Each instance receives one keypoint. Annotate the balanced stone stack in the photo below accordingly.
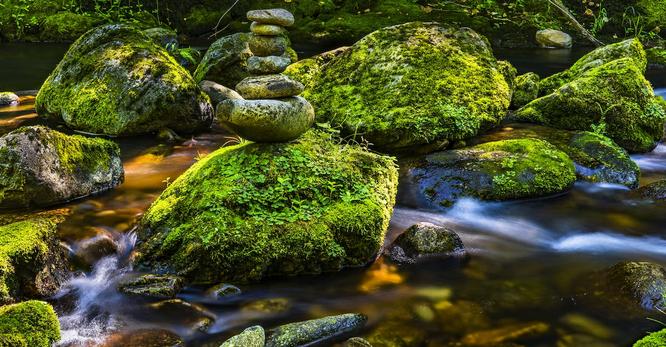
(271, 110)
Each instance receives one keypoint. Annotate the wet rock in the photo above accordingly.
(398, 328)
(550, 38)
(322, 330)
(256, 212)
(654, 191)
(499, 170)
(461, 317)
(94, 249)
(264, 46)
(511, 333)
(116, 81)
(627, 289)
(225, 60)
(272, 306)
(266, 29)
(154, 286)
(267, 65)
(164, 37)
(526, 89)
(224, 290)
(43, 167)
(250, 337)
(218, 92)
(576, 340)
(407, 87)
(426, 239)
(29, 324)
(275, 16)
(8, 98)
(269, 87)
(169, 136)
(267, 120)
(356, 342)
(145, 338)
(587, 326)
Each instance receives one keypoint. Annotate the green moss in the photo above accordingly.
(66, 26)
(655, 12)
(526, 90)
(32, 323)
(256, 210)
(614, 99)
(656, 56)
(409, 85)
(656, 339)
(225, 60)
(114, 80)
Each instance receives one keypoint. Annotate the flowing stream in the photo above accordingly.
(528, 259)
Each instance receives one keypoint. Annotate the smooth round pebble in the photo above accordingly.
(266, 29)
(267, 65)
(276, 16)
(218, 92)
(269, 87)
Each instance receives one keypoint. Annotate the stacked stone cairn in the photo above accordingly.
(271, 110)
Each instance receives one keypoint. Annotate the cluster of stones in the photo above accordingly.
(270, 109)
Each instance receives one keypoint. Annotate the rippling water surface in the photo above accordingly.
(528, 259)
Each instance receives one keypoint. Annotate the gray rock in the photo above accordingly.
(43, 167)
(225, 60)
(218, 92)
(266, 29)
(264, 46)
(320, 331)
(267, 120)
(250, 337)
(275, 16)
(553, 39)
(96, 248)
(155, 286)
(8, 98)
(267, 65)
(224, 290)
(654, 191)
(426, 239)
(269, 87)
(164, 37)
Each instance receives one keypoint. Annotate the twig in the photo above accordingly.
(219, 21)
(563, 9)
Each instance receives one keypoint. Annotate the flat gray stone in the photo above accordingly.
(269, 87)
(267, 120)
(267, 65)
(276, 16)
(264, 46)
(250, 337)
(218, 92)
(267, 29)
(155, 286)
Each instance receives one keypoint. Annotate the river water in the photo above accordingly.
(527, 263)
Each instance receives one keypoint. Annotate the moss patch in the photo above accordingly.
(66, 26)
(526, 89)
(256, 210)
(656, 339)
(30, 323)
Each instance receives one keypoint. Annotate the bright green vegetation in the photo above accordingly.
(499, 170)
(225, 61)
(114, 80)
(656, 339)
(30, 323)
(409, 85)
(66, 26)
(526, 89)
(255, 210)
(613, 99)
(656, 56)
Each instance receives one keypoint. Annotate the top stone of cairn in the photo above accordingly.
(275, 16)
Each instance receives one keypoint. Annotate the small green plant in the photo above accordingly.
(600, 20)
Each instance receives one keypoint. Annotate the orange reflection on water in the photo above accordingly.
(380, 275)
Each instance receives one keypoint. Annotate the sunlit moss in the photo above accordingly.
(30, 323)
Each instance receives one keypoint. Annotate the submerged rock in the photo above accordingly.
(320, 331)
(224, 290)
(356, 342)
(511, 333)
(218, 92)
(155, 286)
(526, 89)
(33, 263)
(28, 324)
(43, 167)
(225, 62)
(143, 338)
(250, 211)
(115, 81)
(250, 337)
(409, 85)
(500, 170)
(654, 191)
(426, 239)
(278, 120)
(613, 98)
(550, 38)
(8, 98)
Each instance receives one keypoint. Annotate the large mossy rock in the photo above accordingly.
(114, 80)
(43, 167)
(500, 170)
(322, 331)
(28, 324)
(255, 210)
(32, 263)
(613, 98)
(409, 85)
(225, 61)
(598, 159)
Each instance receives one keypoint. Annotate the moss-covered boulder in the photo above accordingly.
(66, 26)
(255, 210)
(416, 84)
(656, 339)
(426, 240)
(28, 324)
(500, 170)
(250, 337)
(114, 80)
(598, 159)
(42, 167)
(631, 48)
(614, 99)
(320, 331)
(32, 263)
(225, 61)
(526, 89)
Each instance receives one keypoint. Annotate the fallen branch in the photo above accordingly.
(219, 21)
(572, 20)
